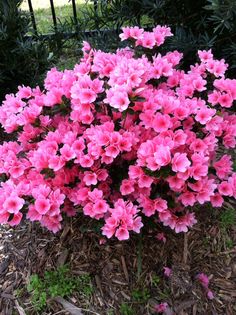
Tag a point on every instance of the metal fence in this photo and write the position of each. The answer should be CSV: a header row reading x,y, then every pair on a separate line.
x,y
54,17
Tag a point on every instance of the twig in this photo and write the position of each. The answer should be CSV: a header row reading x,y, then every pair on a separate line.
x,y
139,257
19,308
185,253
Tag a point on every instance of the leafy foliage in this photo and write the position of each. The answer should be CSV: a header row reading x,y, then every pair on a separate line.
x,y
57,283
22,58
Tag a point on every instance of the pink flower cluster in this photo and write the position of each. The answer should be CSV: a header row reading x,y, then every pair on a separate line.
x,y
121,137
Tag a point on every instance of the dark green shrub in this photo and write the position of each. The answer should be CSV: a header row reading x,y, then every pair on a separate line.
x,y
23,59
201,24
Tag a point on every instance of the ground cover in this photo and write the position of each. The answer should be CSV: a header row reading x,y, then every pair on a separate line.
x,y
127,278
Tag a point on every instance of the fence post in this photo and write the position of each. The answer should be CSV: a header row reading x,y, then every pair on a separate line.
x,y
95,5
32,17
75,16
53,15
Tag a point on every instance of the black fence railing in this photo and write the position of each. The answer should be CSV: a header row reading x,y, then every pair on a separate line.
x,y
54,16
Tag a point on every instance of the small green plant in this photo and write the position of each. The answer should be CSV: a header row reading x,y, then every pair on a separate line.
x,y
165,294
141,295
58,282
228,218
37,288
155,280
19,292
229,243
125,309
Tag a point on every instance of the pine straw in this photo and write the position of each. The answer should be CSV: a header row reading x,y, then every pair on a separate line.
x,y
119,268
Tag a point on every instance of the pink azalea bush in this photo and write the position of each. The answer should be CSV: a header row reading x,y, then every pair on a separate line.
x,y
121,136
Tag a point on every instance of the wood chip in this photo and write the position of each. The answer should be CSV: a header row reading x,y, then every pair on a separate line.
x,y
125,268
98,283
69,307
63,257
185,252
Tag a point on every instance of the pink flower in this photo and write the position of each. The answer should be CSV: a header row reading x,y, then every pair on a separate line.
x,y
225,189
102,241
112,151
223,166
127,187
122,234
13,204
180,162
90,178
56,162
67,152
17,170
205,55
86,161
162,156
161,308
217,200
33,214
85,95
225,100
42,205
133,32
16,219
161,122
175,183
167,271
204,280
160,205
199,170
187,198
137,224
161,237
147,40
145,181
210,295
118,98
100,207
204,115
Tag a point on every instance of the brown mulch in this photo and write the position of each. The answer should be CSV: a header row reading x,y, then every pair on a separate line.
x,y
117,269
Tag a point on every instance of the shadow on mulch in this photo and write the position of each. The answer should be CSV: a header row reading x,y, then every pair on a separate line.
x,y
118,269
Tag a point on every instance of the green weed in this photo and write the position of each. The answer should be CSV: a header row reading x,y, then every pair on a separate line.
x,y
141,295
155,280
125,309
228,218
58,282
229,243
